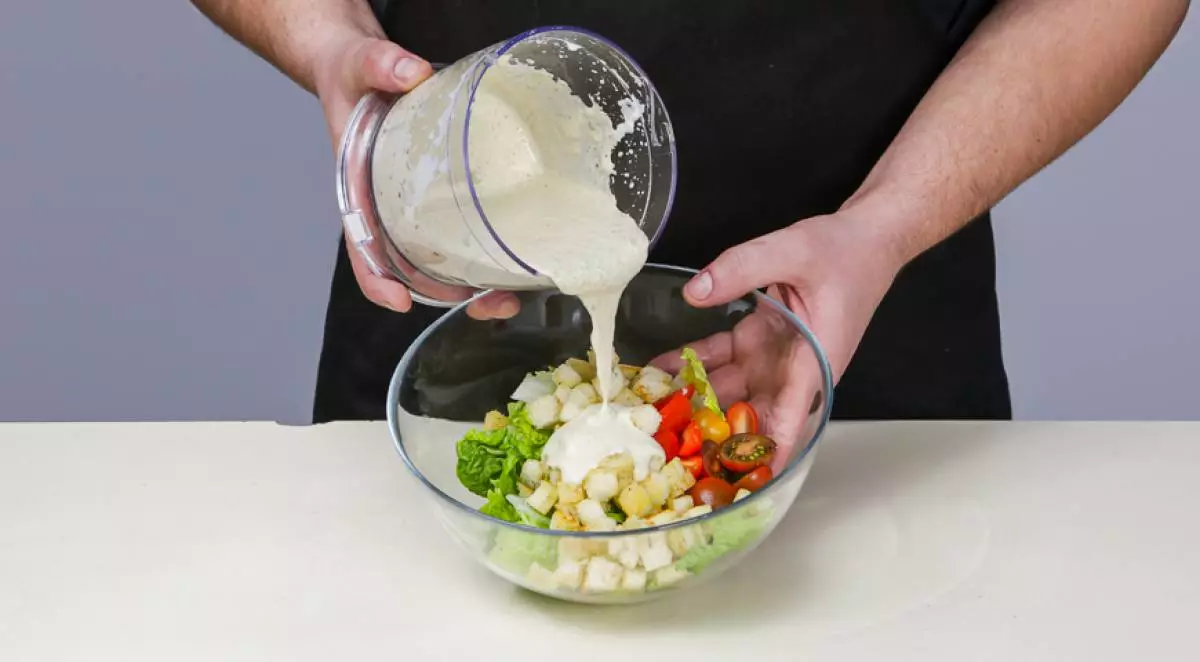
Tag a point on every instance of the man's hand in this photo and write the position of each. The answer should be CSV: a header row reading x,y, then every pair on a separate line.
x,y
1035,77
336,49
342,74
831,272
828,270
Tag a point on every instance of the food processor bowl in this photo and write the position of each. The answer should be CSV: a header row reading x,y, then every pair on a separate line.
x,y
416,148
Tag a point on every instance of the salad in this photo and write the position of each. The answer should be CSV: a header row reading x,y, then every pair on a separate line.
x,y
710,458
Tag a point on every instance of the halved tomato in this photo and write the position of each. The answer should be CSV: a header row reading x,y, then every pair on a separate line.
x,y
690,440
745,452
694,465
742,418
669,442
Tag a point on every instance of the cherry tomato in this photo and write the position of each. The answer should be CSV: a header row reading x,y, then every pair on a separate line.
x,y
711,454
755,480
713,491
669,442
742,418
690,440
744,452
676,413
712,425
688,391
694,465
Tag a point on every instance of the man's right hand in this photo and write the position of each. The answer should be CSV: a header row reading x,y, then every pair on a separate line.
x,y
345,71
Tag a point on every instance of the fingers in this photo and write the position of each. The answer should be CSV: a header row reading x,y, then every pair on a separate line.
x,y
755,264
382,65
494,305
730,384
714,352
382,291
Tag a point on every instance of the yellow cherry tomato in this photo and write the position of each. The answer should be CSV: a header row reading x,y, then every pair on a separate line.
x,y
712,425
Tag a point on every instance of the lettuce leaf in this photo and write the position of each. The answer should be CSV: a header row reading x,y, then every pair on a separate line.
x,y
693,373
520,434
489,461
498,506
526,514
729,534
481,460
515,551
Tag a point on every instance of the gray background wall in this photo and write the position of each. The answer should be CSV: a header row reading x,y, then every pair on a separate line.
x,y
169,224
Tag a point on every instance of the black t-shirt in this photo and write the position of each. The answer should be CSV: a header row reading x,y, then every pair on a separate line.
x,y
780,109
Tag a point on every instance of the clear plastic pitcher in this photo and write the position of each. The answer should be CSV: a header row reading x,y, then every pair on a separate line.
x,y
406,190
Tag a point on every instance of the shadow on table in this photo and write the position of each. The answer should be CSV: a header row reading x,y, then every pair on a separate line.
x,y
859,466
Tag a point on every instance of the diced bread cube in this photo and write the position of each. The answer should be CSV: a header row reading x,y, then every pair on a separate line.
x,y
682,504
531,473
544,411
568,574
565,375
601,486
602,575
634,580
543,498
645,418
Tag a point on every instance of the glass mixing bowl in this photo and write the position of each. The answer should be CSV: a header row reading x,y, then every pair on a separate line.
x,y
461,368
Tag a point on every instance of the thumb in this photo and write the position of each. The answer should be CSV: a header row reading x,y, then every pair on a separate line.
x,y
756,264
379,64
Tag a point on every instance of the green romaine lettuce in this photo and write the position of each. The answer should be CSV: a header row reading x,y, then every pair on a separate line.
x,y
489,461
498,506
481,460
526,514
520,436
693,373
516,551
729,534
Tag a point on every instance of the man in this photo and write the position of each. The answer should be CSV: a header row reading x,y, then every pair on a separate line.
x,y
844,152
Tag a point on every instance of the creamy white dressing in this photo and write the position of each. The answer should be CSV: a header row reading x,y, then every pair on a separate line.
x,y
601,431
540,158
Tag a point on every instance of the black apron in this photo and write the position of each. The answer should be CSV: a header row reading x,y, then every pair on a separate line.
x,y
780,109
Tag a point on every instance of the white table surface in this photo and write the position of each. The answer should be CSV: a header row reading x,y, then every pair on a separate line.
x,y
940,541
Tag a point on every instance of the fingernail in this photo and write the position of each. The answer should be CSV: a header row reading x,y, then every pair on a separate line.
x,y
406,69
700,286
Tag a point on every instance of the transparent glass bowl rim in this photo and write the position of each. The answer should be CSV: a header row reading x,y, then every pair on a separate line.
x,y
651,91
393,403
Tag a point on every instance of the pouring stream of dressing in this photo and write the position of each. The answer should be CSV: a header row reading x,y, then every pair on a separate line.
x,y
541,161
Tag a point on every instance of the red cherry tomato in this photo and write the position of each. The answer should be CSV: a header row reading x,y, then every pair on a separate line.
x,y
742,418
694,465
691,440
742,453
669,442
676,413
713,491
755,480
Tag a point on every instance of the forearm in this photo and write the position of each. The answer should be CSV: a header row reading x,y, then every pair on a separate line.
x,y
291,34
1036,76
